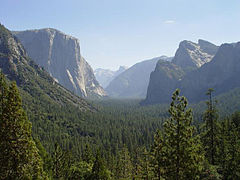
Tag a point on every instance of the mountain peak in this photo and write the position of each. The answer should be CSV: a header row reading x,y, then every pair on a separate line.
x,y
105,76
122,68
208,47
193,55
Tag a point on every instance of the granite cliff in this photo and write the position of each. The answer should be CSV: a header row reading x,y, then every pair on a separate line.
x,y
221,74
59,54
164,78
37,87
192,55
194,68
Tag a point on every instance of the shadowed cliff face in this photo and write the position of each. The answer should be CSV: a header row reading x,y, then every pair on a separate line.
x,y
163,81
60,55
221,74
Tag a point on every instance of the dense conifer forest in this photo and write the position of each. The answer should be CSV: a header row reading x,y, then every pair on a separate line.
x,y
119,140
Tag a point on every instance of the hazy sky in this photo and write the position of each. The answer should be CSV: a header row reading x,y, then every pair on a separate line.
x,y
123,32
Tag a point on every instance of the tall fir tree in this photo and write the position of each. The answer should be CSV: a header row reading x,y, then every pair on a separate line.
x,y
230,159
141,162
99,170
19,157
124,165
62,161
179,151
159,156
146,172
210,133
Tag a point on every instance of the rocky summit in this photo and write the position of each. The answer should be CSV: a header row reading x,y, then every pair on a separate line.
x,y
192,55
59,54
221,74
185,71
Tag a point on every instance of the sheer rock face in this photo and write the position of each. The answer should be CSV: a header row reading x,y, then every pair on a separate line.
x,y
33,81
163,81
221,74
192,55
60,55
186,71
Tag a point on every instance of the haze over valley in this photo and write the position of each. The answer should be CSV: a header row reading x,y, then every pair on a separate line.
x,y
102,90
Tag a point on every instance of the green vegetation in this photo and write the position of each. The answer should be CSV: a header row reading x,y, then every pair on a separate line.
x,y
69,138
114,139
178,153
118,141
19,157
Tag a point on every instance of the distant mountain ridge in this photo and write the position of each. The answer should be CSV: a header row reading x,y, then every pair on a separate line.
x,y
105,76
60,55
186,71
133,82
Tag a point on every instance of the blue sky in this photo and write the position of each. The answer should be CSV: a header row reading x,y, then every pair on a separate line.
x,y
123,32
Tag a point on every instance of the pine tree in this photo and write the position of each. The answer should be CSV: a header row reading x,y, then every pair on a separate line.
x,y
124,165
88,155
19,157
146,166
141,161
99,171
210,132
179,151
159,156
61,163
231,159
47,162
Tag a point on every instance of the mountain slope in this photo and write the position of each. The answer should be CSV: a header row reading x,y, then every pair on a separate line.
x,y
33,80
133,82
60,55
105,76
164,78
221,74
55,113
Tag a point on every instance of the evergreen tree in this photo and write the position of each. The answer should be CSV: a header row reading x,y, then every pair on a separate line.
x,y
210,133
179,150
230,157
47,161
99,171
124,165
88,155
19,157
159,156
141,162
146,172
62,161
80,170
